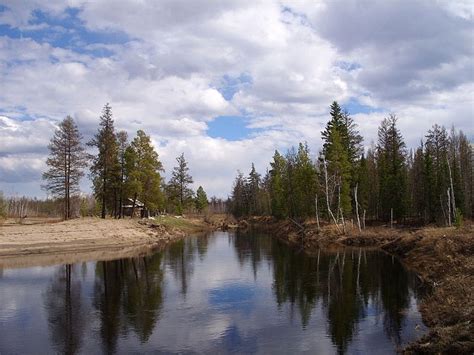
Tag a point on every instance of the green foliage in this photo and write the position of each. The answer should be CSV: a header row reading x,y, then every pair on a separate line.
x,y
142,172
278,187
339,167
180,195
363,183
105,167
391,161
201,199
239,202
65,163
458,219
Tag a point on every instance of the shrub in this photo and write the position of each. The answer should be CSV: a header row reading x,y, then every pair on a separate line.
x,y
458,220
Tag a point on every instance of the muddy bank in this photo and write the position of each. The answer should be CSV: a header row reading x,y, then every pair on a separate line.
x,y
83,239
442,257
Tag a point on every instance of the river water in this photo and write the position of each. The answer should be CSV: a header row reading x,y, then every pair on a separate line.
x,y
220,293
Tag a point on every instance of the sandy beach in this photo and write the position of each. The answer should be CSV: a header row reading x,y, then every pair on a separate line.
x,y
83,239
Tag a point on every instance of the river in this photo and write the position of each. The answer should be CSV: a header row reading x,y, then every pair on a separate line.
x,y
220,293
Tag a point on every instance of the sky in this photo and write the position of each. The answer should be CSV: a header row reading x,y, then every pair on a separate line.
x,y
226,82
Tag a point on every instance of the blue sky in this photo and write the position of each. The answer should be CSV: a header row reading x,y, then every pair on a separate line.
x,y
226,83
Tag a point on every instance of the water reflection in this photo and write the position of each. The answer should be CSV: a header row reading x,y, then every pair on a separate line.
x,y
63,304
222,292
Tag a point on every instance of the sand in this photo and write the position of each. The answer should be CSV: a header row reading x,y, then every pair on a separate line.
x,y
83,239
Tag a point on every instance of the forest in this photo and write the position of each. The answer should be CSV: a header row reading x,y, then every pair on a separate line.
x,y
386,182
125,175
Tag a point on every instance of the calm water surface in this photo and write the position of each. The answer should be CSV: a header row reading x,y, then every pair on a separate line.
x,y
219,293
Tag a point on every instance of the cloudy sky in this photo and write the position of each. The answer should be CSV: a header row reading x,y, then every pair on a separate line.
x,y
226,82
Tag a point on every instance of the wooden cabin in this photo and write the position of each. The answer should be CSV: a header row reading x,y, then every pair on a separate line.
x,y
128,206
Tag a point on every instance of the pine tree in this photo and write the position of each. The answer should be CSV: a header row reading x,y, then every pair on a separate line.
x,y
437,147
239,205
277,186
178,187
104,167
253,191
122,144
201,199
305,182
466,171
364,187
417,184
374,183
341,127
142,173
351,140
66,163
391,156
340,170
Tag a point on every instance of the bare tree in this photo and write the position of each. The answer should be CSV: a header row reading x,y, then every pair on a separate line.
x,y
357,206
327,192
66,162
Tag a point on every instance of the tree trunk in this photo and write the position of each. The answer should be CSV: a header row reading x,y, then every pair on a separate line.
x,y
449,208
453,200
327,193
317,212
363,219
391,218
357,207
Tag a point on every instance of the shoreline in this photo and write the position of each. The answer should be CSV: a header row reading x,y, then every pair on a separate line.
x,y
443,259
84,239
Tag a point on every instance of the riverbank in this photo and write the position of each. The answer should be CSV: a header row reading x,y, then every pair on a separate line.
x,y
50,242
443,258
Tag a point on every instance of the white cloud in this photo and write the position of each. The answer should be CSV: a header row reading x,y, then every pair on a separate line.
x,y
411,58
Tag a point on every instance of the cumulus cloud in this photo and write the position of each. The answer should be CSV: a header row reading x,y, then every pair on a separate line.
x,y
172,67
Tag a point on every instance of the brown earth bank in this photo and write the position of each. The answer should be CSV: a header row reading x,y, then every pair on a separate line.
x,y
443,258
48,242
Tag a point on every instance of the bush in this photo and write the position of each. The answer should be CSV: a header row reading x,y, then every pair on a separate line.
x,y
3,206
458,220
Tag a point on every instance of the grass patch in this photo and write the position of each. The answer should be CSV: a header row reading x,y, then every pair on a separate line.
x,y
186,225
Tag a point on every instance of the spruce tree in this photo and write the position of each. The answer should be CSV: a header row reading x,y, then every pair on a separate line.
x,y
305,182
201,199
239,205
437,147
66,163
391,156
179,191
104,167
253,191
340,170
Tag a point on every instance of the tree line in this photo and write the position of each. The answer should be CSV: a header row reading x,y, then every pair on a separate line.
x,y
126,175
386,182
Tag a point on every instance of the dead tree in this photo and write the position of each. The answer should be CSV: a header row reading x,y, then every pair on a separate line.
x,y
327,193
357,206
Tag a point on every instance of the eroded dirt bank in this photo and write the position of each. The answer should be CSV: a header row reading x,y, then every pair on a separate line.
x,y
89,239
442,257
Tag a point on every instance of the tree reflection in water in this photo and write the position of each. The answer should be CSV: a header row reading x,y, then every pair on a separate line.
x,y
344,288
65,311
346,283
128,294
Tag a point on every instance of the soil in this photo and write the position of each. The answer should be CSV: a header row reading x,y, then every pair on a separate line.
x,y
443,258
34,243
